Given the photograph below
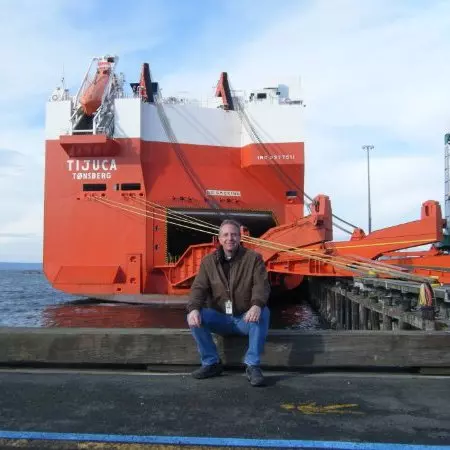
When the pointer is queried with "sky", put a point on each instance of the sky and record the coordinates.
(372, 72)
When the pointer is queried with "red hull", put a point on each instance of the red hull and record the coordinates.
(93, 249)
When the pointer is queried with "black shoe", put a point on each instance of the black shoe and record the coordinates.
(255, 376)
(212, 370)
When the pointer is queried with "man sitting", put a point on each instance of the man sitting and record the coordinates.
(229, 296)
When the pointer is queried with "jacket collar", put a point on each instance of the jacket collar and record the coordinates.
(220, 254)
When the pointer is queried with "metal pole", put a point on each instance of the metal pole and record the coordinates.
(447, 183)
(368, 148)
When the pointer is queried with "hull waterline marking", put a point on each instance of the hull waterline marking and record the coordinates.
(91, 169)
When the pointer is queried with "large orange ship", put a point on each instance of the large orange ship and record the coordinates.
(136, 184)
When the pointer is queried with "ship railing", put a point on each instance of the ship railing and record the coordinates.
(209, 102)
(126, 95)
(87, 131)
(272, 101)
(60, 96)
(106, 126)
(205, 102)
(102, 123)
(102, 120)
(172, 100)
(75, 119)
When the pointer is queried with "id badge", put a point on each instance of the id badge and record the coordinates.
(228, 307)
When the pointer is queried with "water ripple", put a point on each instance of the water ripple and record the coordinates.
(28, 300)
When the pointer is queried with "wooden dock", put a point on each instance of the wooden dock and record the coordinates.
(374, 304)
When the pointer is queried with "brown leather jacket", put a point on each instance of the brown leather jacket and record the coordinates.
(248, 283)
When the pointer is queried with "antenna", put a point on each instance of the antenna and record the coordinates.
(63, 84)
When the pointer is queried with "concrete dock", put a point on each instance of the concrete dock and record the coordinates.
(94, 388)
(288, 349)
(130, 410)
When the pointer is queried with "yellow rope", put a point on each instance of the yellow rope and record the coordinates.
(308, 253)
(346, 265)
(339, 262)
(163, 218)
(412, 241)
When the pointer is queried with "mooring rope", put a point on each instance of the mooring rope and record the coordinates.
(380, 267)
(185, 221)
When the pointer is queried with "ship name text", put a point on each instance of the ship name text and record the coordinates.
(91, 169)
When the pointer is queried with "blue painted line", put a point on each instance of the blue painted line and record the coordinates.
(214, 442)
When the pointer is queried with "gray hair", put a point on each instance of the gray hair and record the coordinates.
(230, 222)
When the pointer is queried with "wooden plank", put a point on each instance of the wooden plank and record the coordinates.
(374, 320)
(363, 317)
(441, 293)
(387, 323)
(355, 316)
(406, 319)
(284, 348)
(329, 311)
(333, 306)
(340, 309)
(414, 319)
(348, 313)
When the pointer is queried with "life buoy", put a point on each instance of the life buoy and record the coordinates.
(55, 97)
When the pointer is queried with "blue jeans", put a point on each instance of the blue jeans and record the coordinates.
(224, 324)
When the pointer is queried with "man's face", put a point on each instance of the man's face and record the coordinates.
(229, 238)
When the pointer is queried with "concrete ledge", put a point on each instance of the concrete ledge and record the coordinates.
(284, 349)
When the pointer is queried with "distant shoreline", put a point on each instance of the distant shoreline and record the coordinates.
(20, 266)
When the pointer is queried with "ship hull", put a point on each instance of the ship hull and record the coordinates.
(103, 236)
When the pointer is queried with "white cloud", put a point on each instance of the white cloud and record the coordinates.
(35, 46)
(373, 72)
(52, 34)
(397, 192)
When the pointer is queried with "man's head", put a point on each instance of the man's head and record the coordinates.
(229, 236)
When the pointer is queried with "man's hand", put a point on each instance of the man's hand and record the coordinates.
(194, 319)
(253, 314)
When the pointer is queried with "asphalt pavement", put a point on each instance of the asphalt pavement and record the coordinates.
(67, 408)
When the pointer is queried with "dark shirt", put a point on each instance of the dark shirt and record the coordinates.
(226, 263)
